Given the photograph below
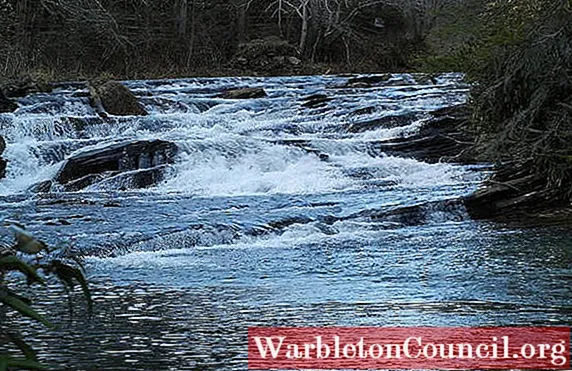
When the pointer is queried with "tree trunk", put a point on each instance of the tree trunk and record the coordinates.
(182, 12)
(304, 30)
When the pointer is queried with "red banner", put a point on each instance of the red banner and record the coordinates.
(409, 348)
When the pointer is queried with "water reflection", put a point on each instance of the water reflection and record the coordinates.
(194, 314)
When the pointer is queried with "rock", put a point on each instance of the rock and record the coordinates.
(116, 99)
(41, 187)
(425, 79)
(358, 85)
(81, 123)
(53, 199)
(95, 102)
(56, 222)
(371, 80)
(267, 56)
(86, 168)
(244, 93)
(516, 191)
(3, 164)
(457, 111)
(434, 148)
(7, 104)
(304, 145)
(367, 81)
(451, 210)
(315, 101)
(363, 111)
(439, 139)
(386, 122)
(294, 61)
(137, 179)
(85, 181)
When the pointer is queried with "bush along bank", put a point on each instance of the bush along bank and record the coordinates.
(522, 111)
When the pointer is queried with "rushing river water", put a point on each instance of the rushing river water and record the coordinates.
(247, 229)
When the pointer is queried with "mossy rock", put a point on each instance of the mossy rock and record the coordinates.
(115, 99)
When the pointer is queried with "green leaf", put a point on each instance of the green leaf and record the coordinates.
(20, 306)
(67, 274)
(7, 363)
(12, 263)
(27, 243)
(24, 347)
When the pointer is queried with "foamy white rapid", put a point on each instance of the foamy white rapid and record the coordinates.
(237, 147)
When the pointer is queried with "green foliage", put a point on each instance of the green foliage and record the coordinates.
(450, 45)
(11, 363)
(14, 263)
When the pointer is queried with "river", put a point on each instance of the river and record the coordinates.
(247, 229)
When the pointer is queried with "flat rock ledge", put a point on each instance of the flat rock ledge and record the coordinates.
(137, 164)
(517, 194)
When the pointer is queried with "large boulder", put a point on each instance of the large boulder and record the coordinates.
(98, 164)
(115, 99)
(244, 93)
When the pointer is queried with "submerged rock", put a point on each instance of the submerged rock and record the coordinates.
(244, 93)
(116, 99)
(315, 101)
(93, 166)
